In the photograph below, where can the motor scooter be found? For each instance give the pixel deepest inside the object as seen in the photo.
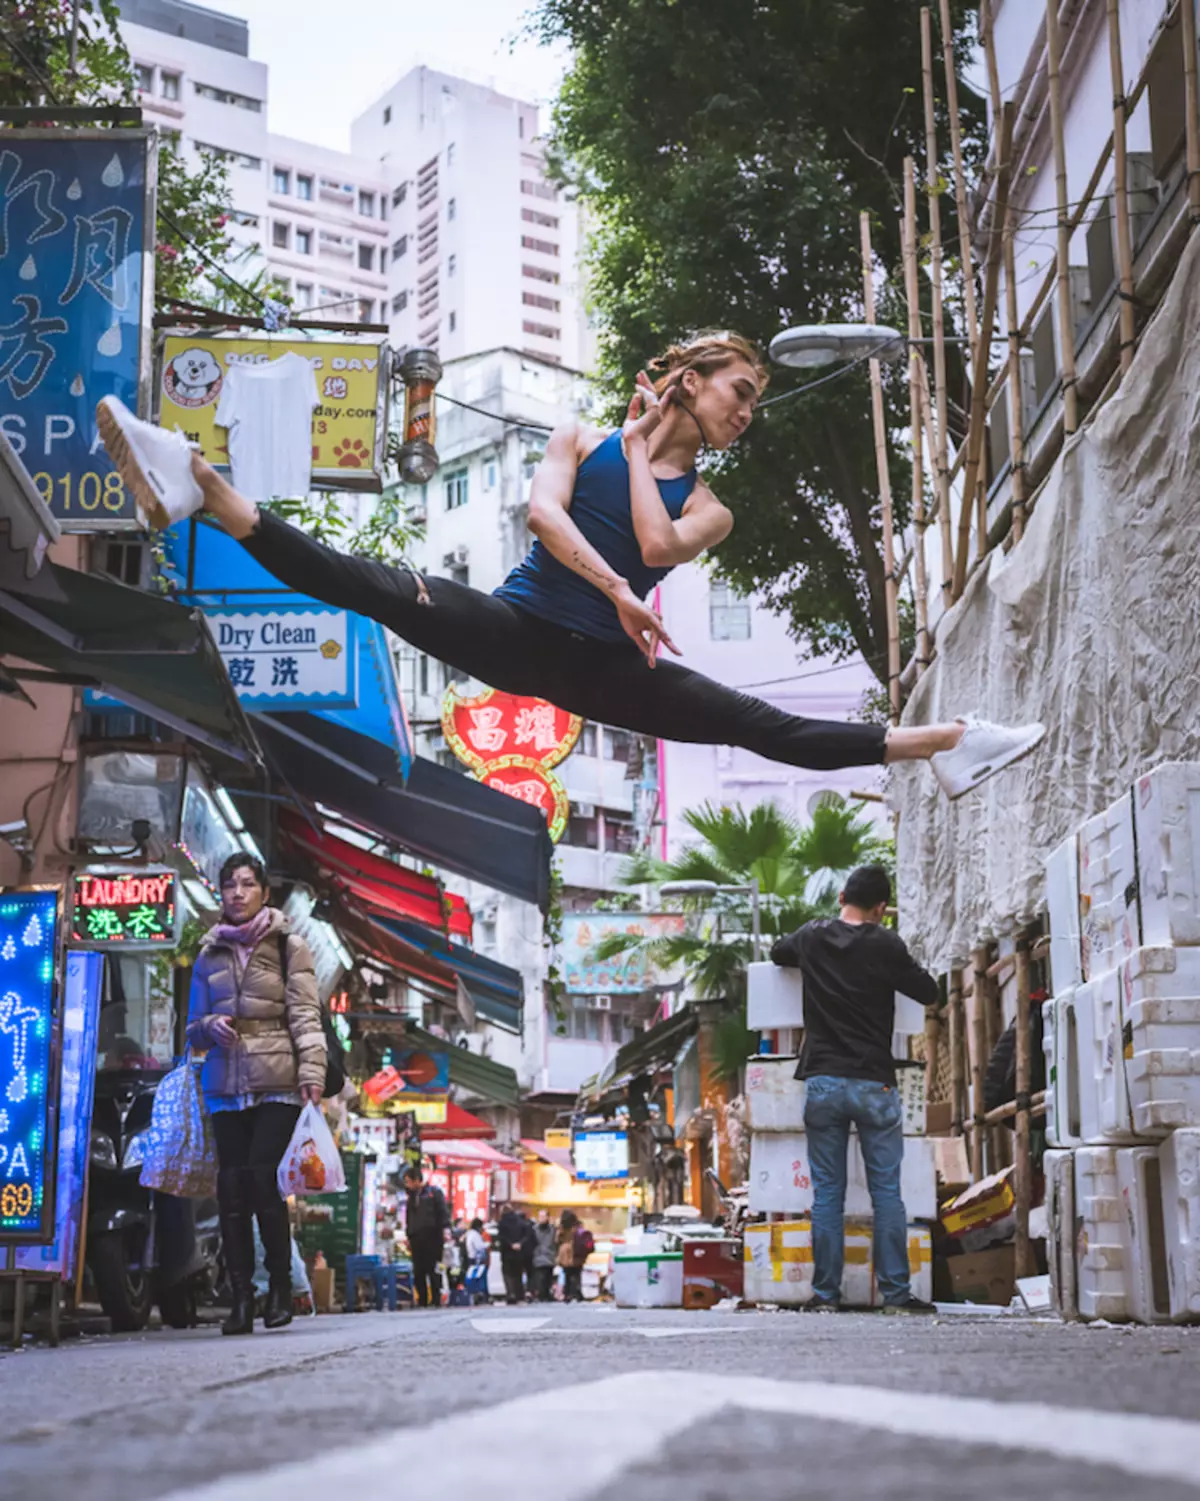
(143, 1247)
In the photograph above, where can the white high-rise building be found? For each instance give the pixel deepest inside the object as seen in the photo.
(483, 247)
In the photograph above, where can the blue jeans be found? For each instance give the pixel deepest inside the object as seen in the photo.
(832, 1105)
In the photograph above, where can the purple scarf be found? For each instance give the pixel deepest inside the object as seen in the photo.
(244, 937)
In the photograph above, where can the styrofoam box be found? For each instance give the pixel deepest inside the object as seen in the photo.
(775, 1097)
(1179, 1164)
(1107, 889)
(1059, 1167)
(1104, 1108)
(1062, 899)
(1100, 1261)
(1161, 1016)
(1147, 1283)
(1062, 1070)
(1166, 810)
(653, 1280)
(775, 998)
(781, 1177)
(779, 1266)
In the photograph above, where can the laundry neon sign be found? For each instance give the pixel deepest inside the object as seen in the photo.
(28, 937)
(133, 910)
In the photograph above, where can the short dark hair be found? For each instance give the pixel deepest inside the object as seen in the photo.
(240, 860)
(867, 887)
(413, 1175)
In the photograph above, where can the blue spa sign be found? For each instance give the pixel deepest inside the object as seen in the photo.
(76, 299)
(28, 1016)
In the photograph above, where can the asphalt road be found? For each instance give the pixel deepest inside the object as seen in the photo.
(601, 1404)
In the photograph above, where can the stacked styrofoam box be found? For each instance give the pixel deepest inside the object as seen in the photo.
(1059, 1168)
(1062, 1071)
(779, 1264)
(1100, 1264)
(781, 1176)
(1161, 1038)
(1107, 889)
(1179, 1166)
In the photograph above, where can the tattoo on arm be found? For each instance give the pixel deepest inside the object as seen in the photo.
(593, 574)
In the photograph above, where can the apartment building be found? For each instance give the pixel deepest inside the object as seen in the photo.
(484, 248)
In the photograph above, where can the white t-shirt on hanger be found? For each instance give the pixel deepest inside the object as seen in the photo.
(268, 411)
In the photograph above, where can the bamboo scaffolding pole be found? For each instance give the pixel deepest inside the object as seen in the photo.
(1016, 404)
(1191, 107)
(1037, 1106)
(1066, 329)
(988, 36)
(960, 184)
(933, 192)
(933, 1035)
(979, 390)
(991, 1032)
(1023, 1176)
(979, 960)
(916, 416)
(883, 475)
(1120, 189)
(955, 1021)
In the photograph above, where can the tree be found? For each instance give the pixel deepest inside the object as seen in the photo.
(723, 151)
(799, 870)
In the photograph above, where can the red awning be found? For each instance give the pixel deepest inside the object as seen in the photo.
(469, 1154)
(372, 938)
(377, 882)
(459, 1124)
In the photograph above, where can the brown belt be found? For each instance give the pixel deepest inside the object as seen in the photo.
(248, 1027)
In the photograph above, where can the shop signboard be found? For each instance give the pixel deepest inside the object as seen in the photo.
(624, 974)
(510, 742)
(29, 930)
(76, 296)
(600, 1154)
(289, 656)
(84, 973)
(409, 1073)
(124, 909)
(349, 424)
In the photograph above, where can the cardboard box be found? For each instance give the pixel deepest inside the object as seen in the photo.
(713, 1270)
(951, 1162)
(939, 1119)
(985, 1277)
(985, 1203)
(322, 1286)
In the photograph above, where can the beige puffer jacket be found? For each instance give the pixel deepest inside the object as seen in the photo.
(281, 1044)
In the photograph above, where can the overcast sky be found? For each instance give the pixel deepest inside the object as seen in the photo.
(329, 60)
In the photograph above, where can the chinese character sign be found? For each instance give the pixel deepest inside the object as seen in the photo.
(75, 282)
(530, 782)
(349, 425)
(134, 911)
(289, 656)
(625, 974)
(28, 939)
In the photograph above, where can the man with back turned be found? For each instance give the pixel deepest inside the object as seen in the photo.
(852, 967)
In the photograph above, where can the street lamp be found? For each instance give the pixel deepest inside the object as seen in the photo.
(812, 344)
(711, 888)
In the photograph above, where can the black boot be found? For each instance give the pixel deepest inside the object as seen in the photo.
(276, 1232)
(237, 1237)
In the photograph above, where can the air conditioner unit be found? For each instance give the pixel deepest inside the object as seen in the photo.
(585, 810)
(599, 1003)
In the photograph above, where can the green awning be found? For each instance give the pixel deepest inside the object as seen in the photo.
(150, 653)
(479, 1076)
(646, 1054)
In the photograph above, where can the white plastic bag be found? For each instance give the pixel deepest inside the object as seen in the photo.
(312, 1163)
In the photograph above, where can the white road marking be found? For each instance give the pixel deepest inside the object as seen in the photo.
(676, 1331)
(597, 1430)
(517, 1324)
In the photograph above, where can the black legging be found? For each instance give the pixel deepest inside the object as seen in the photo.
(509, 649)
(250, 1144)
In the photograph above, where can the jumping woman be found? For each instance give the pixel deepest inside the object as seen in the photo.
(612, 514)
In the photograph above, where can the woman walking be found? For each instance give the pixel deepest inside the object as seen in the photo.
(575, 1245)
(613, 514)
(254, 1007)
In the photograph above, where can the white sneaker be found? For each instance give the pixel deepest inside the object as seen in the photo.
(983, 750)
(155, 464)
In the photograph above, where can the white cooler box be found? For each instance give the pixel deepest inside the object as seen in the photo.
(1166, 809)
(779, 1265)
(652, 1280)
(775, 1097)
(1062, 1070)
(1179, 1162)
(1100, 1262)
(1059, 1168)
(781, 1177)
(1107, 889)
(1105, 1112)
(1161, 1017)
(1062, 899)
(775, 1000)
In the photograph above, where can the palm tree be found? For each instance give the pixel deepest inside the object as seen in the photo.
(799, 870)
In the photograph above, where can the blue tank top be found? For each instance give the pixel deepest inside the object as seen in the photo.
(600, 508)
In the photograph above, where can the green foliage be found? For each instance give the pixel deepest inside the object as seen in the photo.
(193, 238)
(35, 55)
(723, 151)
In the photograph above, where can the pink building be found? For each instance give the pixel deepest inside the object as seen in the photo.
(741, 643)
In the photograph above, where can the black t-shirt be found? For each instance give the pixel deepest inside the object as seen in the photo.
(851, 974)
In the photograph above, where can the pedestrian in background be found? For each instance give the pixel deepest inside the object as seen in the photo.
(545, 1256)
(478, 1256)
(852, 968)
(254, 1007)
(512, 1254)
(575, 1245)
(427, 1221)
(528, 1248)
